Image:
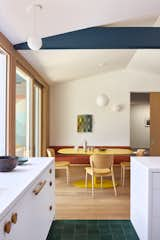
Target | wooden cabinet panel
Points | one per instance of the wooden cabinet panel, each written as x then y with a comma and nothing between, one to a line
155,124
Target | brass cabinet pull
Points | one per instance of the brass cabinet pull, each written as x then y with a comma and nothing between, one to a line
50,170
39,187
50,183
14,218
7,227
50,207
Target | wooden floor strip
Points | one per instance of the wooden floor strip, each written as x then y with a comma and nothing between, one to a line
76,203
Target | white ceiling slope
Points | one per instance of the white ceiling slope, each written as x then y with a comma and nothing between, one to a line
148,21
146,61
68,65
60,16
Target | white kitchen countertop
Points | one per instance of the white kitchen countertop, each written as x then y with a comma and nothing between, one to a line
13,184
152,163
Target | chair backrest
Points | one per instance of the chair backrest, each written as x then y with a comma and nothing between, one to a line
50,152
140,152
101,161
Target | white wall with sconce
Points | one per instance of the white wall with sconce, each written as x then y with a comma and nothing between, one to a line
102,100
111,123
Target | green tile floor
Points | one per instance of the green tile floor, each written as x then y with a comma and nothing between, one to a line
92,230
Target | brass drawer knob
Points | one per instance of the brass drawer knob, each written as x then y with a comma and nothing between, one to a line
50,170
50,183
7,227
14,218
50,208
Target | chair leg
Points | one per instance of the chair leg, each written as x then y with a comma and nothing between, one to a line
92,185
121,174
124,171
86,180
114,184
67,175
101,182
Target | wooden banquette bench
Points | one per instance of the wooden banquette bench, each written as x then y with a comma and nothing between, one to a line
84,159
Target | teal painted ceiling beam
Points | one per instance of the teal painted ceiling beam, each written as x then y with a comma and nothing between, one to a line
103,38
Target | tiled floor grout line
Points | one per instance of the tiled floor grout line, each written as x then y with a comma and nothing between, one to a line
124,232
87,229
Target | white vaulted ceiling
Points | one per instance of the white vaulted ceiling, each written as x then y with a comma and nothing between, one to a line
60,16
67,65
146,61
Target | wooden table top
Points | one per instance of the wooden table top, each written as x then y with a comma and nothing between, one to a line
108,151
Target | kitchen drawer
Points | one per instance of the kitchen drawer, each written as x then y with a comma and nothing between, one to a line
34,210
155,228
156,203
156,180
2,237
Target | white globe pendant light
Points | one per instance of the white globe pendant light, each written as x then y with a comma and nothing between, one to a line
34,41
102,100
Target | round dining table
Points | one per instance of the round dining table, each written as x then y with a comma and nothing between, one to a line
91,151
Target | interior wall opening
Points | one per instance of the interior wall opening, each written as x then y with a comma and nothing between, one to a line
140,120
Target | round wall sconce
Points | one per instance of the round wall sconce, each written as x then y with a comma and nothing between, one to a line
116,108
102,100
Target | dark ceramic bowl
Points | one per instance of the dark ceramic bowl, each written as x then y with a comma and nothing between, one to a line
7,163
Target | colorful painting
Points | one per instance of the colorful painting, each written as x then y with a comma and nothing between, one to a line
84,123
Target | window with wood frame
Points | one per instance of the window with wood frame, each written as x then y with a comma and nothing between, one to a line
3,101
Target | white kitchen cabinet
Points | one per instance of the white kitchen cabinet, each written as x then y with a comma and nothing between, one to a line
1,230
145,197
35,210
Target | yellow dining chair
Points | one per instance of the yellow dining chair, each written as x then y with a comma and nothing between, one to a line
125,166
100,166
61,164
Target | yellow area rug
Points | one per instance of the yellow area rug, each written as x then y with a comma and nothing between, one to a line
106,184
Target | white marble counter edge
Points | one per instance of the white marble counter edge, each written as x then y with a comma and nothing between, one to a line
17,194
149,166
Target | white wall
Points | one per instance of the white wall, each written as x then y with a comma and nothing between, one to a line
69,99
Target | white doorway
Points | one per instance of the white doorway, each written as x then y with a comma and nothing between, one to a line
140,120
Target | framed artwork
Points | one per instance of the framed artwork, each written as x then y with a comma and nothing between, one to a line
84,123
